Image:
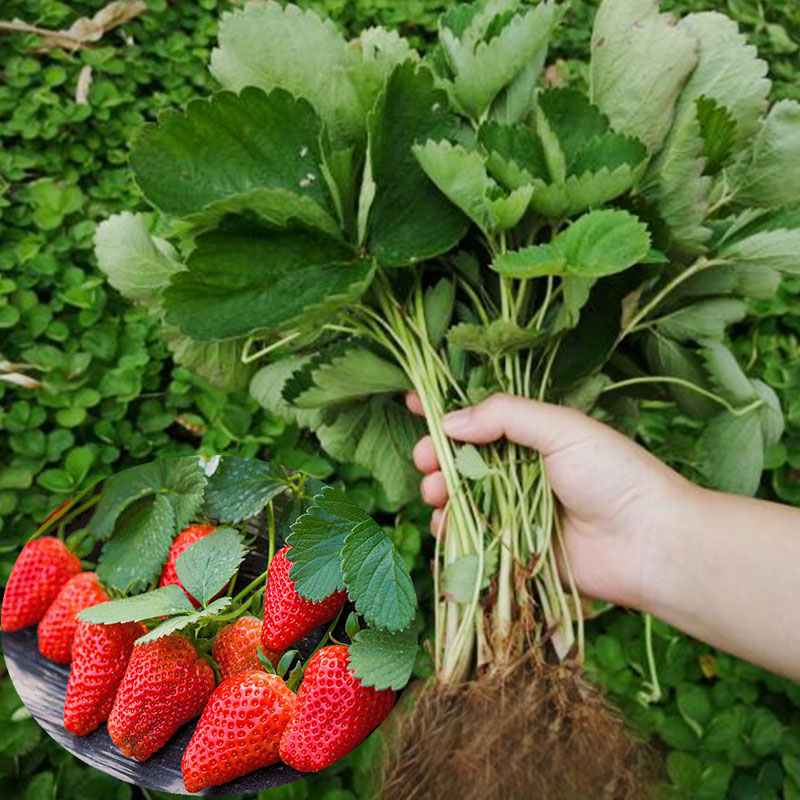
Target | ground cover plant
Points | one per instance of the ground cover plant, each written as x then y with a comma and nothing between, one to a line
727,725
147,618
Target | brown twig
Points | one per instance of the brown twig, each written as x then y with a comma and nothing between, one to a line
83,31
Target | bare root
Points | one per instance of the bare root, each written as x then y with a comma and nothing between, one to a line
528,731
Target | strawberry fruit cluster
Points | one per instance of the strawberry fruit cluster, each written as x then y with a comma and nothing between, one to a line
147,691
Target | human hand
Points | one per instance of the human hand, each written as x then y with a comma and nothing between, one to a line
618,502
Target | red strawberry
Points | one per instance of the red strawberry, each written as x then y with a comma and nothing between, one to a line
334,712
43,567
58,625
287,616
183,540
165,685
100,654
239,731
235,648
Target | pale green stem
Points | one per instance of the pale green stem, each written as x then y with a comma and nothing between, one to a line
737,412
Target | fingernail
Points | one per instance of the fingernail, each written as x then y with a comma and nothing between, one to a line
456,421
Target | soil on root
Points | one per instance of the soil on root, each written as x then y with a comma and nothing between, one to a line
532,730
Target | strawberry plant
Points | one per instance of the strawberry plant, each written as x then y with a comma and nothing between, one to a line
455,225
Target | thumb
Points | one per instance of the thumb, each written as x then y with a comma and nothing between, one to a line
544,427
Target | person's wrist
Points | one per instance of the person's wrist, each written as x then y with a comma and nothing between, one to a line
668,579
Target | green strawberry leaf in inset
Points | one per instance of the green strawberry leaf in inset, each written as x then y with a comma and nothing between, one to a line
573,120
241,488
244,278
134,555
471,464
377,578
316,543
345,371
383,659
166,601
231,145
183,621
180,481
409,219
136,264
206,567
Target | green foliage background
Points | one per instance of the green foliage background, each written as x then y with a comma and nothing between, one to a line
110,397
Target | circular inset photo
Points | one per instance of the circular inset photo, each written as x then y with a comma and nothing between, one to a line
209,625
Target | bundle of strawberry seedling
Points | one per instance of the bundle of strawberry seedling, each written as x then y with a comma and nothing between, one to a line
148,662
370,221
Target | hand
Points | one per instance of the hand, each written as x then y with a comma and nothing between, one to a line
616,498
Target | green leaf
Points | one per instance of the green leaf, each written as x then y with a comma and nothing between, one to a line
667,357
438,304
772,178
531,262
376,577
580,192
728,72
270,46
219,363
718,131
588,345
136,264
383,659
231,145
183,621
352,626
603,242
770,414
346,371
247,279
515,154
267,387
494,340
460,577
772,249
726,375
134,555
482,71
409,218
205,567
706,319
470,463
675,183
241,488
574,121
461,175
316,542
165,601
640,61
378,435
180,480
732,452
